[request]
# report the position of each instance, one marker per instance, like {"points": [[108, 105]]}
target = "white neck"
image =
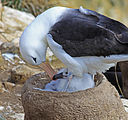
{"points": [[43, 22], [35, 33]]}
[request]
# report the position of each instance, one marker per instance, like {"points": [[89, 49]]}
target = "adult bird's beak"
{"points": [[48, 69]]}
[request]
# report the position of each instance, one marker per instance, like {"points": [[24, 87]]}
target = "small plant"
{"points": [[27, 6], [17, 4]]}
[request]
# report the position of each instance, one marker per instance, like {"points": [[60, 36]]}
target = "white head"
{"points": [[33, 43], [33, 46]]}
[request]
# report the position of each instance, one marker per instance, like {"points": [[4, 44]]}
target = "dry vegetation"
{"points": [[116, 9]]}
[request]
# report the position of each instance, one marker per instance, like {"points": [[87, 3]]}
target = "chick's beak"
{"points": [[58, 76]]}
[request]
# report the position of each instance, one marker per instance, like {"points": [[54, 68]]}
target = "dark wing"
{"points": [[120, 30], [83, 34]]}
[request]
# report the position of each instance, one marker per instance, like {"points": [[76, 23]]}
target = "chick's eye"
{"points": [[34, 59]]}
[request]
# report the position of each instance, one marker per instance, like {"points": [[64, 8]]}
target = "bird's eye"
{"points": [[34, 59]]}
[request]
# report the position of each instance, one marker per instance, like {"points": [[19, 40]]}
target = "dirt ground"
{"points": [[10, 104]]}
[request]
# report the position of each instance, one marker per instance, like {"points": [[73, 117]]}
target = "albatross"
{"points": [[85, 41]]}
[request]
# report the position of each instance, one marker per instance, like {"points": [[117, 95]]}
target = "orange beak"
{"points": [[48, 69]]}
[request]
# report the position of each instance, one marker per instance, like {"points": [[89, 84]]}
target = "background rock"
{"points": [[15, 18], [5, 76], [125, 103], [9, 47], [1, 118], [8, 85], [12, 23], [1, 87], [20, 73], [11, 101], [99, 103]]}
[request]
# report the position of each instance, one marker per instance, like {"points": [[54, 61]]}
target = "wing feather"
{"points": [[90, 34]]}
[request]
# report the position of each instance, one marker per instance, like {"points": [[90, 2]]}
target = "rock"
{"points": [[9, 47], [1, 108], [124, 70], [18, 116], [20, 73], [1, 87], [12, 23], [14, 70], [99, 103], [5, 76], [16, 19], [125, 103], [1, 118], [9, 86], [1, 63]]}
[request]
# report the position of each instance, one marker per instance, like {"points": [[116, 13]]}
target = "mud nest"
{"points": [[99, 103]]}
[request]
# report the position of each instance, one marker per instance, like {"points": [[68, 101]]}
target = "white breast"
{"points": [[99, 64]]}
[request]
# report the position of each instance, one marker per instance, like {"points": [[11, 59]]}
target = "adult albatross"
{"points": [[84, 40]]}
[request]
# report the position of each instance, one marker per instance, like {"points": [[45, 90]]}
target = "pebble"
{"points": [[9, 85], [1, 108], [18, 116]]}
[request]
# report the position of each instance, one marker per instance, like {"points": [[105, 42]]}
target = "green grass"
{"points": [[116, 9], [17, 4], [26, 6]]}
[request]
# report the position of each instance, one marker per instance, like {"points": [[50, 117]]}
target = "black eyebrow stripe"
{"points": [[34, 59]]}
